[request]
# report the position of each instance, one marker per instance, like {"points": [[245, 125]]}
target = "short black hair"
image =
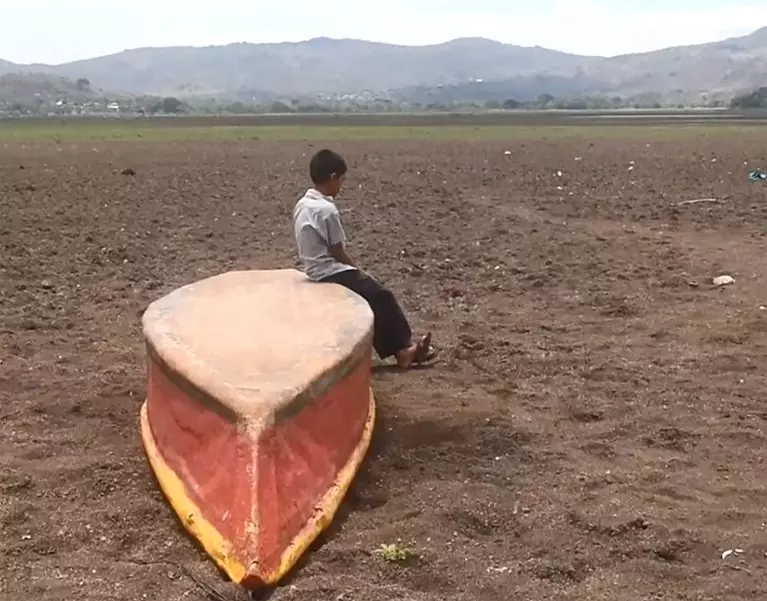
{"points": [[325, 164]]}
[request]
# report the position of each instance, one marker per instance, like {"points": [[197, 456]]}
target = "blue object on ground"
{"points": [[757, 176]]}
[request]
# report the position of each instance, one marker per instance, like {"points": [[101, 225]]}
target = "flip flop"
{"points": [[426, 352], [429, 355]]}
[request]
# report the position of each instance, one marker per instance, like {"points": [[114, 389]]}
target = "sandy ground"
{"points": [[594, 430]]}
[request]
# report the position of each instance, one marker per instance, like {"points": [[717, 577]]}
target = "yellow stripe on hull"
{"points": [[245, 570]]}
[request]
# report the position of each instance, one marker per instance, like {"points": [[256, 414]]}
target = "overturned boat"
{"points": [[258, 412]]}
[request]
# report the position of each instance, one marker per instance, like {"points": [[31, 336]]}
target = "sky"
{"points": [[64, 30]]}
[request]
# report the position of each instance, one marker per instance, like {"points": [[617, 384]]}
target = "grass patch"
{"points": [[395, 553], [113, 130]]}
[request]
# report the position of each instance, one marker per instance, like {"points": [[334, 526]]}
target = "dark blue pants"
{"points": [[391, 330]]}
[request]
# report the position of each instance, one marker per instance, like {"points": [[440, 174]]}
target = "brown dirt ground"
{"points": [[595, 429]]}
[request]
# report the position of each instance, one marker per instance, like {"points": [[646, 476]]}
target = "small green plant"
{"points": [[395, 553]]}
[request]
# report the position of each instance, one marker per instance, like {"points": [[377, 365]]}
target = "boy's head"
{"points": [[327, 170]]}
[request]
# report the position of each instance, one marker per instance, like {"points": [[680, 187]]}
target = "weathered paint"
{"points": [[256, 472]]}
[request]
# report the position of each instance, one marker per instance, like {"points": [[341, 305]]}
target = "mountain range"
{"points": [[461, 68]]}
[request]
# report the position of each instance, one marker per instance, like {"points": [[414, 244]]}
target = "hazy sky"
{"points": [[64, 30]]}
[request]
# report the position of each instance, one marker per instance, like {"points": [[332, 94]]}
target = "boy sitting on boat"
{"points": [[321, 245]]}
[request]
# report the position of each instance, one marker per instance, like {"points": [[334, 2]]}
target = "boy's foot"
{"points": [[426, 352], [419, 353]]}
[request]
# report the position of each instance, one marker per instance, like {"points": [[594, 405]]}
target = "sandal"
{"points": [[425, 352]]}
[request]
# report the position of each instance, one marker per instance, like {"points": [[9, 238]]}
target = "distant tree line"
{"points": [[751, 100], [170, 105], [60, 104], [382, 105], [544, 102]]}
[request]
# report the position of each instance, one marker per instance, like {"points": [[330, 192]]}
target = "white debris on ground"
{"points": [[729, 552], [723, 280]]}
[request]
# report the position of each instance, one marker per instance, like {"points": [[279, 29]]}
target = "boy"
{"points": [[321, 248]]}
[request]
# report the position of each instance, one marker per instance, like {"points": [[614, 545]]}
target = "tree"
{"points": [[171, 105], [153, 106], [510, 104], [280, 108], [18, 107], [238, 108], [83, 84], [575, 104], [545, 99], [752, 100]]}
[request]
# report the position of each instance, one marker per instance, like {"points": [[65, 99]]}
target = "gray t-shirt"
{"points": [[317, 227]]}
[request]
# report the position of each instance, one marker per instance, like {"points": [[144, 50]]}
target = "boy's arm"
{"points": [[337, 239], [338, 252]]}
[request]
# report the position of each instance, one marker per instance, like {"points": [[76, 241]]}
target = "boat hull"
{"points": [[255, 484]]}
